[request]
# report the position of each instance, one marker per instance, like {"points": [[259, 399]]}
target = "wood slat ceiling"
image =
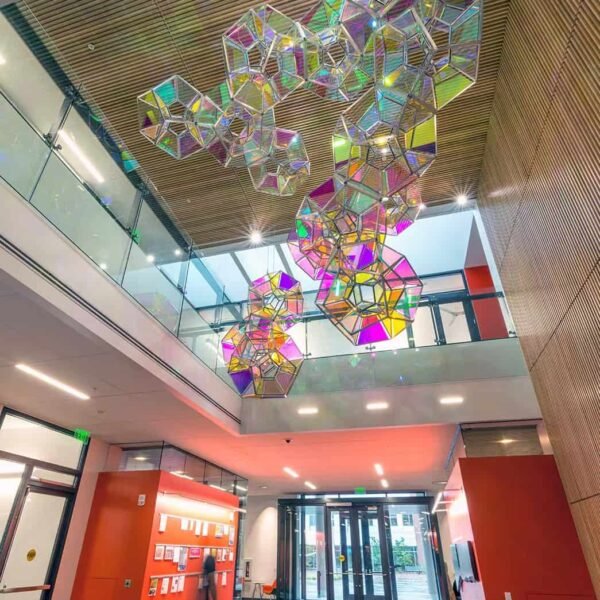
{"points": [[138, 43]]}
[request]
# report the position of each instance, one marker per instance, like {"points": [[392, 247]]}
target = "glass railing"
{"points": [[117, 227]]}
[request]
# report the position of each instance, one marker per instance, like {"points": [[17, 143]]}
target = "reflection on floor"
{"points": [[409, 586]]}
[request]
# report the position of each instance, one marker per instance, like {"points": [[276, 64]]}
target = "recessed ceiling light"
{"points": [[377, 406], [422, 206], [378, 469], [506, 441], [2, 60], [256, 237], [461, 199], [51, 381], [177, 252], [291, 472], [103, 266], [310, 485], [452, 400], [263, 487], [385, 484], [308, 410], [140, 458], [150, 258]]}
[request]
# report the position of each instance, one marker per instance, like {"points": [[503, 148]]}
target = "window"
{"points": [[407, 520]]}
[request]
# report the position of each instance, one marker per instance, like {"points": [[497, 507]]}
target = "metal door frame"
{"points": [[26, 487], [357, 550]]}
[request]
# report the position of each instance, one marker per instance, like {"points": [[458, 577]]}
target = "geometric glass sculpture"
{"points": [[276, 296], [383, 145], [262, 359], [338, 223], [374, 304], [333, 58], [263, 51], [403, 208], [285, 167], [243, 137], [177, 118]]}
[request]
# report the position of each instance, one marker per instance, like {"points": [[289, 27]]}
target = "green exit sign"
{"points": [[360, 490], [82, 435]]}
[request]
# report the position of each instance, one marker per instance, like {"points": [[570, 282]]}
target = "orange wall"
{"points": [[121, 536], [525, 539]]}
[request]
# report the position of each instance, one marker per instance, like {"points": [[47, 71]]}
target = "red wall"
{"points": [[525, 539], [487, 310], [121, 536]]}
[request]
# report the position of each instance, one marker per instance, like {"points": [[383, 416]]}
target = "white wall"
{"points": [[94, 464], [260, 542]]}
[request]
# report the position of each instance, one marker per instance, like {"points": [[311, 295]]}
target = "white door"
{"points": [[33, 545]]}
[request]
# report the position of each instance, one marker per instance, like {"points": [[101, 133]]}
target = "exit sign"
{"points": [[360, 490]]}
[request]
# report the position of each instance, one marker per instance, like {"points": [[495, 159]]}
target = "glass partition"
{"points": [[22, 152], [70, 207]]}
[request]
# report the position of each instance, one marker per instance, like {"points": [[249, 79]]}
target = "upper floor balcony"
{"points": [[60, 157]]}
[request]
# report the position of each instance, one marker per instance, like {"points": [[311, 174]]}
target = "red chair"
{"points": [[270, 590]]}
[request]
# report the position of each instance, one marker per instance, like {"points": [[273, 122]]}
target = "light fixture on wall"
{"points": [[51, 381], [452, 400], [377, 406]]}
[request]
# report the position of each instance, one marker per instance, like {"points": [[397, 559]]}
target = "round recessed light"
{"points": [[150, 258], [461, 199], [256, 237]]}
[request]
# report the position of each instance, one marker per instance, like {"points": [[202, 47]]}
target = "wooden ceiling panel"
{"points": [[138, 43]]}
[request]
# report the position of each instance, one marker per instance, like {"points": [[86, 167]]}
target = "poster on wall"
{"points": [[164, 586], [153, 586], [181, 583], [183, 559], [162, 524], [224, 580], [205, 528], [231, 536], [219, 528], [185, 523], [174, 584], [159, 552], [198, 527], [195, 552], [169, 551]]}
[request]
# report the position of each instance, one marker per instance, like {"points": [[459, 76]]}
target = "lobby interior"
{"points": [[351, 356]]}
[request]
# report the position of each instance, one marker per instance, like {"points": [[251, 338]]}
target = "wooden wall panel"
{"points": [[539, 200]]}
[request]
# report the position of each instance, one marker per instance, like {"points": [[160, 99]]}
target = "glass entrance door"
{"points": [[32, 545], [357, 557]]}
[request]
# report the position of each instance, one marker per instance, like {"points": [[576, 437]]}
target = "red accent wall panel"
{"points": [[121, 537], [524, 534], [487, 310]]}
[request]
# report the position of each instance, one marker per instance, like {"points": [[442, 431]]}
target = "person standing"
{"points": [[208, 585]]}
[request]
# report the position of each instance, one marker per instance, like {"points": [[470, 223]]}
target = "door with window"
{"points": [[357, 558], [39, 471]]}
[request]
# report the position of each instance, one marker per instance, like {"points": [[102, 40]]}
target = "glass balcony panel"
{"points": [[423, 328], [26, 82], [151, 288], [455, 325], [224, 269], [141, 459], [257, 261], [22, 152], [196, 333], [203, 290], [99, 164], [325, 340], [161, 248], [443, 283], [66, 203]]}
